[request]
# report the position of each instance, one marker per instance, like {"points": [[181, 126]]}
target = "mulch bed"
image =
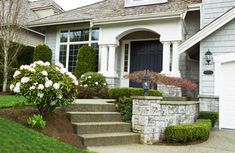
{"points": [[57, 124]]}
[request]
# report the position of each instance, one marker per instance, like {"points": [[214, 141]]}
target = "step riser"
{"points": [[95, 117], [91, 108], [92, 129], [107, 141]]}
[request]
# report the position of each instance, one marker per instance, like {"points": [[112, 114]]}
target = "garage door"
{"points": [[227, 96]]}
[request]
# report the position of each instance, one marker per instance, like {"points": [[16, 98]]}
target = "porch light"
{"points": [[208, 56], [146, 84]]}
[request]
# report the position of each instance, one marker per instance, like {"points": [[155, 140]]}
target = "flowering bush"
{"points": [[45, 85], [92, 84]]}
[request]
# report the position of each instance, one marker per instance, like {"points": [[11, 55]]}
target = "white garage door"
{"points": [[227, 96]]}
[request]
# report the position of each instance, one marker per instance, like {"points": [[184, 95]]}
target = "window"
{"points": [[126, 57], [130, 3], [72, 40]]}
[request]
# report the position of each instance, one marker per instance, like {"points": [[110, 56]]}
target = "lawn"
{"points": [[19, 139], [11, 101]]}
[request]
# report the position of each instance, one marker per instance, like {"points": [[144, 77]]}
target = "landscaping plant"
{"points": [[37, 122], [42, 53], [124, 106], [45, 85], [86, 61], [213, 116]]}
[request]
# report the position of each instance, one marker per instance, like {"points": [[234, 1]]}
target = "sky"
{"points": [[71, 4]]}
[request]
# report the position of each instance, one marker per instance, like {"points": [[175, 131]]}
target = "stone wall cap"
{"points": [[208, 96], [179, 102], [146, 97]]}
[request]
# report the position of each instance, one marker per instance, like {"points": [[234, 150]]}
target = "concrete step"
{"points": [[101, 127], [106, 139], [175, 99], [89, 107], [94, 116]]}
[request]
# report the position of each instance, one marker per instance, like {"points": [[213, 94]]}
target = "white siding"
{"points": [[51, 37], [220, 42]]}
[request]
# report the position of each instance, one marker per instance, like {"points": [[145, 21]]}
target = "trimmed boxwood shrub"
{"points": [[116, 93], [42, 53], [124, 106], [188, 132], [213, 116], [86, 61]]}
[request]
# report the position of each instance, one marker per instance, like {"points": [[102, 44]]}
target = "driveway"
{"points": [[219, 142]]}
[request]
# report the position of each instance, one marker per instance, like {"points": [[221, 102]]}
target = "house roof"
{"points": [[112, 8], [44, 4], [208, 30]]}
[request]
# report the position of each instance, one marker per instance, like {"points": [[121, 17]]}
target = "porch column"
{"points": [[175, 60], [104, 59], [112, 61], [166, 58]]}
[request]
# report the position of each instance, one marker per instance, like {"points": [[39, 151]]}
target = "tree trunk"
{"points": [[5, 71]]}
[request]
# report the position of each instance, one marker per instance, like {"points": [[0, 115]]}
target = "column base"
{"points": [[111, 78]]}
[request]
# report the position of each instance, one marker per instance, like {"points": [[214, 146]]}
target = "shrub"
{"points": [[25, 55], [213, 116], [44, 85], [36, 122], [86, 61], [124, 106], [10, 74], [116, 93], [42, 53], [92, 84], [188, 132]]}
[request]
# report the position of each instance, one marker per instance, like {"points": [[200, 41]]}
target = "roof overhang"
{"points": [[147, 17], [207, 30]]}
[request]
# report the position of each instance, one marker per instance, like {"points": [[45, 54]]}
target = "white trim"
{"points": [[206, 31], [219, 60], [194, 7], [131, 3]]}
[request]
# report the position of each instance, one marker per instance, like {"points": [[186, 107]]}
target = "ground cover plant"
{"points": [[18, 139]]}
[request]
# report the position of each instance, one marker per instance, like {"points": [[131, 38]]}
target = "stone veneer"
{"points": [[209, 103], [170, 91], [151, 116]]}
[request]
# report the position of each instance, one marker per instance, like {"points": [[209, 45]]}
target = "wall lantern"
{"points": [[146, 84], [208, 57]]}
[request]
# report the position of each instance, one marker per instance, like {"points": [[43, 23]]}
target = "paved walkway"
{"points": [[219, 142]]}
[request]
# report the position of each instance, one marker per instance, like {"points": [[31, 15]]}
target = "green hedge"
{"points": [[42, 53], [213, 116], [188, 132], [116, 93], [124, 106]]}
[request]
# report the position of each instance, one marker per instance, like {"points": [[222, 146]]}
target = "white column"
{"points": [[104, 59], [175, 60], [112, 61], [166, 58]]}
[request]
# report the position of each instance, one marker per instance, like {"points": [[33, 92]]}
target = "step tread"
{"points": [[94, 101], [94, 113], [100, 135], [101, 123]]}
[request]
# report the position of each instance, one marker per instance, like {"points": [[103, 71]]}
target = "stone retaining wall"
{"points": [[151, 116]]}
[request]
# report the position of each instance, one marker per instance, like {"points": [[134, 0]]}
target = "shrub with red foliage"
{"points": [[156, 78]]}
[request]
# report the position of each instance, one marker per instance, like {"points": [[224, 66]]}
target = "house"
{"points": [[167, 36]]}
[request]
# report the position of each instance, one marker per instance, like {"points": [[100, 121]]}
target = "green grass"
{"points": [[15, 138], [12, 101]]}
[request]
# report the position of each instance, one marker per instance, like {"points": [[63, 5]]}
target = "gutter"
{"points": [[146, 17]]}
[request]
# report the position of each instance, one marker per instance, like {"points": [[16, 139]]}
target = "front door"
{"points": [[145, 55]]}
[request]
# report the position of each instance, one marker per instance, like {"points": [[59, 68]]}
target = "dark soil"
{"points": [[4, 94], [57, 124]]}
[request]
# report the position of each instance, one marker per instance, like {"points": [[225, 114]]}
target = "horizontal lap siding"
{"points": [[51, 36]]}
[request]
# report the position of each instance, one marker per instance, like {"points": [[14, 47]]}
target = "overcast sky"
{"points": [[71, 4]]}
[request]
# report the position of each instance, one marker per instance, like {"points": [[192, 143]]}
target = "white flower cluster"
{"points": [[15, 88]]}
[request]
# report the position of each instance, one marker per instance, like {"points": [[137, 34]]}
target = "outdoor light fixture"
{"points": [[146, 84], [208, 56]]}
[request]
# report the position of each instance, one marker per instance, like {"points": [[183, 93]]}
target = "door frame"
{"points": [[219, 60], [126, 82]]}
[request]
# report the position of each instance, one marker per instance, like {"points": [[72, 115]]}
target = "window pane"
{"points": [[73, 51], [96, 48], [95, 34], [79, 35], [63, 54], [63, 36]]}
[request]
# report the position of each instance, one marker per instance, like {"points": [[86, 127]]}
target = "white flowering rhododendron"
{"points": [[48, 86]]}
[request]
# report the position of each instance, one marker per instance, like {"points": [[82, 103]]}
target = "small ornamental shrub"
{"points": [[188, 132], [118, 92], [44, 85], [25, 56], [92, 84], [36, 122], [86, 61], [42, 53], [124, 106], [213, 116]]}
